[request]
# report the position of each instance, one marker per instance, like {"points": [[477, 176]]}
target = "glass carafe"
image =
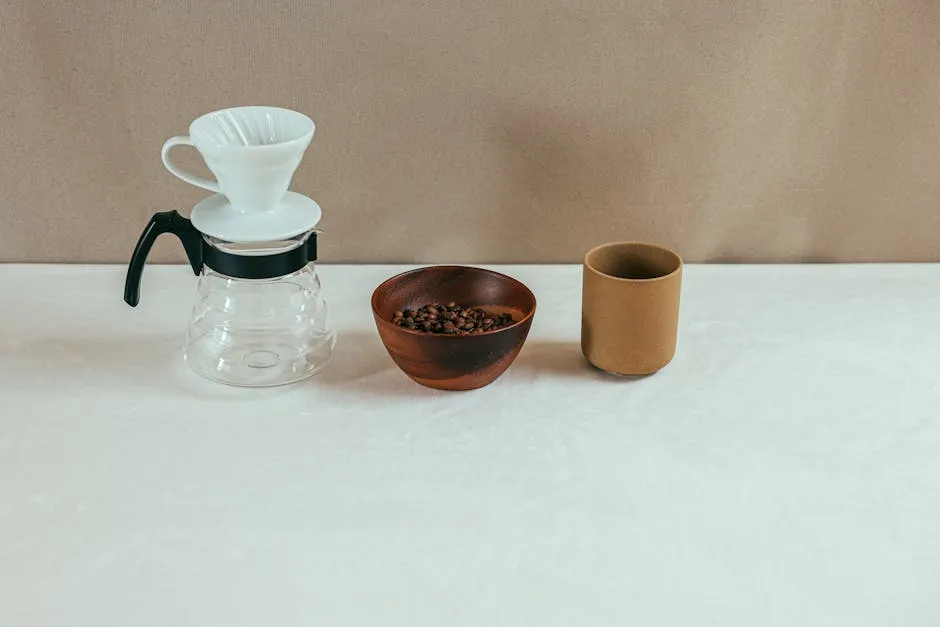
{"points": [[259, 331], [260, 318]]}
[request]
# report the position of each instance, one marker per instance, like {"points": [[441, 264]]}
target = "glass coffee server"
{"points": [[260, 318]]}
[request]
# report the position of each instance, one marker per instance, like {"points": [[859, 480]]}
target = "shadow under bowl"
{"points": [[453, 362]]}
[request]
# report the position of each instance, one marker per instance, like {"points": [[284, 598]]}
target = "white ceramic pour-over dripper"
{"points": [[252, 151]]}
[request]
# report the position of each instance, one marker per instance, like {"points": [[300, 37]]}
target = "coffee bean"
{"points": [[450, 319]]}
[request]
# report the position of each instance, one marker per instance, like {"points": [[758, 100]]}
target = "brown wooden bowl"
{"points": [[453, 362]]}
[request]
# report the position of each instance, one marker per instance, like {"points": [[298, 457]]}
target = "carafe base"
{"points": [[257, 364]]}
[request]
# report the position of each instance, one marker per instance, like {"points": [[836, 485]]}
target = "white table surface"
{"points": [[783, 470]]}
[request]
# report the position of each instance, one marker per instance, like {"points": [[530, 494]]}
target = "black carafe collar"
{"points": [[200, 253]]}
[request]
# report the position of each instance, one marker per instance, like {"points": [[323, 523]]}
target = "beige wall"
{"points": [[492, 131]]}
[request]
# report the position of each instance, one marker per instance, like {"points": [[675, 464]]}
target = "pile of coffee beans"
{"points": [[451, 319]]}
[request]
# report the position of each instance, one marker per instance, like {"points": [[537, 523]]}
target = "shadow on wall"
{"points": [[562, 174]]}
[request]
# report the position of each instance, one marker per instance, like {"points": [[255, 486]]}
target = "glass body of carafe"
{"points": [[259, 332]]}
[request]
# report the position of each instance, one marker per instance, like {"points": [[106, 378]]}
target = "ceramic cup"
{"points": [[252, 151], [630, 307]]}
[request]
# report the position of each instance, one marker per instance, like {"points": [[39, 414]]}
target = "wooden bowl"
{"points": [[453, 362]]}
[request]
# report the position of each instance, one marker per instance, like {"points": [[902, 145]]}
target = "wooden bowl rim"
{"points": [[396, 328]]}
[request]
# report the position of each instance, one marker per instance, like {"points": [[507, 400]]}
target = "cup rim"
{"points": [[633, 244], [306, 137], [388, 323]]}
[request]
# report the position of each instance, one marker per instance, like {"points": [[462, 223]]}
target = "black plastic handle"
{"points": [[160, 223]]}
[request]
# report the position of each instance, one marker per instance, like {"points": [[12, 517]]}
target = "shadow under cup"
{"points": [[630, 307]]}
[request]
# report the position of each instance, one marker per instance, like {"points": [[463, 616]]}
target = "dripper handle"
{"points": [[192, 179], [160, 223]]}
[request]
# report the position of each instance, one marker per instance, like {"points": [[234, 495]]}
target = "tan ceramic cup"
{"points": [[630, 307]]}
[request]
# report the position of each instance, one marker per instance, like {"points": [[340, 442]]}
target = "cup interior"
{"points": [[242, 127], [635, 261]]}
